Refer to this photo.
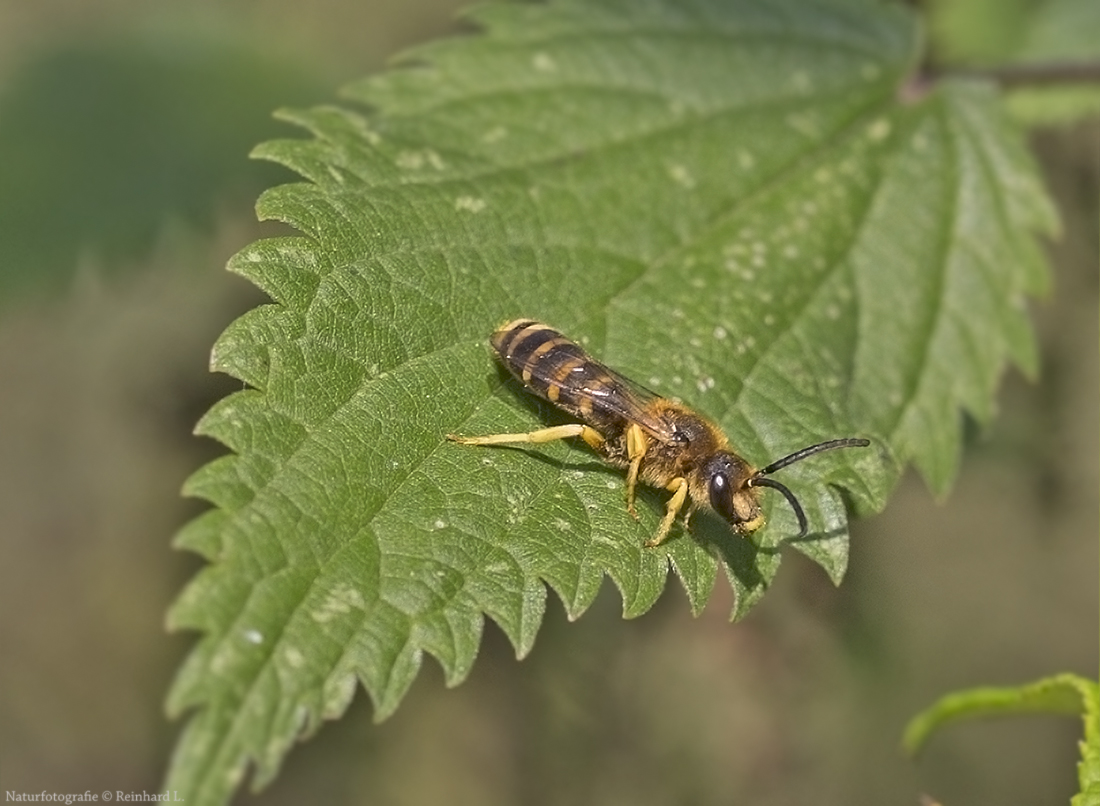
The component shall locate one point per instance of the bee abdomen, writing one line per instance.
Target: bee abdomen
(550, 364)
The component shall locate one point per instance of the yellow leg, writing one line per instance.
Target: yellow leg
(636, 446)
(679, 487)
(589, 435)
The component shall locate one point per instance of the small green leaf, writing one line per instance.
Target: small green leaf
(1059, 31)
(723, 200)
(1061, 694)
(1022, 34)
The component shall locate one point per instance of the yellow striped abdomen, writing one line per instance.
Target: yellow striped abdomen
(557, 369)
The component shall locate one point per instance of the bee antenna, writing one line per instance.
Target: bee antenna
(798, 456)
(757, 481)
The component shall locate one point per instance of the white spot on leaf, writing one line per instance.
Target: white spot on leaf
(544, 62)
(293, 657)
(470, 204)
(879, 130)
(681, 176)
(804, 123)
(340, 601)
(801, 81)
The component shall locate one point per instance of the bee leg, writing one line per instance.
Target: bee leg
(679, 487)
(687, 517)
(589, 435)
(636, 446)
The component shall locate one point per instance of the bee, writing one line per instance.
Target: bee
(660, 442)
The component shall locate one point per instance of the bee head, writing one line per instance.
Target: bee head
(729, 490)
(731, 484)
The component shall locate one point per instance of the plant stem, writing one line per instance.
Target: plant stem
(1024, 75)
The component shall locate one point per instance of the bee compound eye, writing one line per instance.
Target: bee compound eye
(720, 496)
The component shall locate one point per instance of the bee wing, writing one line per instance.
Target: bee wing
(610, 394)
(632, 401)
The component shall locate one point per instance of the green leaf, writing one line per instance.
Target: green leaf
(723, 200)
(1060, 694)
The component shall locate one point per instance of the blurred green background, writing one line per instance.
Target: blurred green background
(124, 187)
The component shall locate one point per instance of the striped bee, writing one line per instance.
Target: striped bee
(659, 442)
